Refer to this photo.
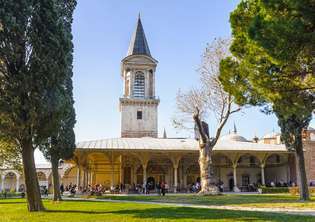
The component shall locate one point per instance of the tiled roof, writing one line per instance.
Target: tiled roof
(138, 44)
(160, 144)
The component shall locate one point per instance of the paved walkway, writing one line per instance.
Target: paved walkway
(306, 212)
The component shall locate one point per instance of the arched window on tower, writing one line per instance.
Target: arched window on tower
(138, 87)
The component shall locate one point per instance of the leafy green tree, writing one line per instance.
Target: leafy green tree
(31, 80)
(10, 154)
(273, 46)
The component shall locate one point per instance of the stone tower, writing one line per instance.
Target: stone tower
(139, 106)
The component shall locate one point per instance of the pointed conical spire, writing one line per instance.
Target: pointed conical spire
(138, 44)
(235, 130)
(164, 134)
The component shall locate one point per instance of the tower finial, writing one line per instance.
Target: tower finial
(139, 15)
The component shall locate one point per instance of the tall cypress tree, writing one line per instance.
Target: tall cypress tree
(61, 140)
(31, 80)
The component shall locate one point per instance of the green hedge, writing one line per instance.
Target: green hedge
(10, 194)
(274, 189)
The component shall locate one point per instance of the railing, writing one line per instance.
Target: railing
(146, 97)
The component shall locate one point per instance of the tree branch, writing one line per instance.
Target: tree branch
(224, 120)
(196, 117)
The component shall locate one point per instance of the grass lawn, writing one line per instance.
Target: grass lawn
(14, 210)
(250, 200)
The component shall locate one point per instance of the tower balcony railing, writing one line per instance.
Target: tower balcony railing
(140, 98)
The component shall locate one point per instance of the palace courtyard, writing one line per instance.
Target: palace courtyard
(123, 208)
(95, 129)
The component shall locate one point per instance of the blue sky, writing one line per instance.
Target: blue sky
(177, 32)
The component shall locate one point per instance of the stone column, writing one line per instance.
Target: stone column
(112, 165)
(91, 177)
(86, 178)
(146, 83)
(135, 175)
(235, 178)
(175, 160)
(112, 175)
(262, 174)
(78, 176)
(121, 175)
(180, 173)
(185, 181)
(144, 167)
(153, 82)
(17, 183)
(175, 178)
(131, 80)
(83, 179)
(2, 182)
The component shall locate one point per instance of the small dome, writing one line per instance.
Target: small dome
(233, 137)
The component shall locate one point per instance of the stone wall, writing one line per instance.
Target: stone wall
(309, 155)
(133, 127)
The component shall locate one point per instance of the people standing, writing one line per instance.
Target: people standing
(158, 188)
(62, 189)
(163, 188)
(147, 188)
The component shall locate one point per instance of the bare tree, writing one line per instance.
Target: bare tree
(208, 101)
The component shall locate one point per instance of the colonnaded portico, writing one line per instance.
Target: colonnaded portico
(13, 179)
(237, 163)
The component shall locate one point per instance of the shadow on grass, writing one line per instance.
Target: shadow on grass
(78, 211)
(12, 202)
(213, 200)
(180, 213)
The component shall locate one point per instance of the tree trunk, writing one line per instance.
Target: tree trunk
(55, 179)
(32, 188)
(304, 193)
(208, 186)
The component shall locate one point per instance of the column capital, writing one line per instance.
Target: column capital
(144, 165)
(144, 159)
(175, 160)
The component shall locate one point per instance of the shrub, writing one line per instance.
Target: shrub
(6, 194)
(274, 189)
(296, 190)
